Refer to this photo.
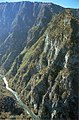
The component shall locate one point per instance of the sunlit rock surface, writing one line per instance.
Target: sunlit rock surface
(44, 70)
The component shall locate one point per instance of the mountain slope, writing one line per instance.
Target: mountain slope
(48, 73)
(39, 53)
(21, 24)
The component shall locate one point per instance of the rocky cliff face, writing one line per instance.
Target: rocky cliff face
(21, 23)
(44, 70)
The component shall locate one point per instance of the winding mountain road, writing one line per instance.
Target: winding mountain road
(28, 111)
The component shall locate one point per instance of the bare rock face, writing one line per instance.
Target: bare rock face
(43, 63)
(21, 24)
(54, 85)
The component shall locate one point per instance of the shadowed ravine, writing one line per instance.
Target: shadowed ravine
(27, 110)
